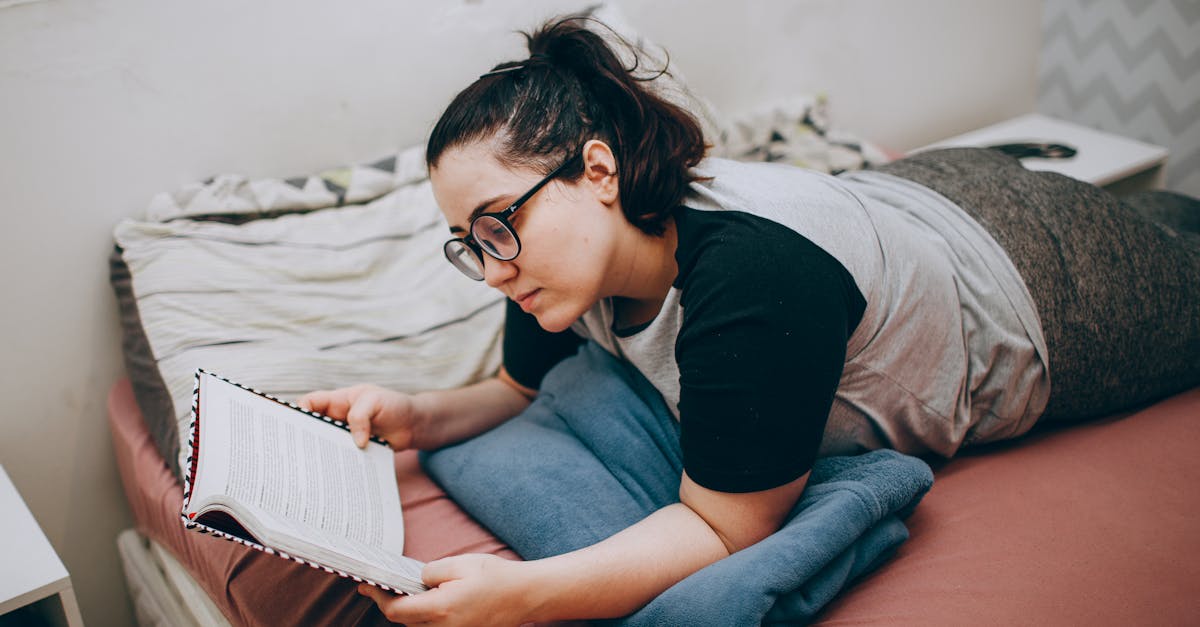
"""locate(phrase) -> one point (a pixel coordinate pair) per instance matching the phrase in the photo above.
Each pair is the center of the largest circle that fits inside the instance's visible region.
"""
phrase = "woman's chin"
(553, 325)
(554, 321)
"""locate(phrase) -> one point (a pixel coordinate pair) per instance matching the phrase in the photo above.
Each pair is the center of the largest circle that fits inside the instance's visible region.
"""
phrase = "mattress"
(1096, 523)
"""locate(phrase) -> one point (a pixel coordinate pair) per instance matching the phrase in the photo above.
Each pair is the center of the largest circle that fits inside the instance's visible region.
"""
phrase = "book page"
(303, 476)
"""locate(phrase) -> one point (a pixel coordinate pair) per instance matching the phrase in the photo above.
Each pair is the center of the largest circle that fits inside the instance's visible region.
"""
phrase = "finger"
(314, 401)
(338, 403)
(438, 572)
(379, 596)
(359, 417)
(407, 609)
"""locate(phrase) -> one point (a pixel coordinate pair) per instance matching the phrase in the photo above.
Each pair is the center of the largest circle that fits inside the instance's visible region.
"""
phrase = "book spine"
(189, 477)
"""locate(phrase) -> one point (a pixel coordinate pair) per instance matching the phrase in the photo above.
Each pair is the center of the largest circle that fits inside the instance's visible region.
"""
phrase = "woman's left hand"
(477, 589)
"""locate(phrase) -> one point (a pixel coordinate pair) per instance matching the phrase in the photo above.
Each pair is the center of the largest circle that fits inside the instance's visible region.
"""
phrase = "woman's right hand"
(369, 410)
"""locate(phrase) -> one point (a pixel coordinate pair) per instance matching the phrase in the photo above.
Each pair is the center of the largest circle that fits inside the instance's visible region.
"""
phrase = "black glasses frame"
(472, 241)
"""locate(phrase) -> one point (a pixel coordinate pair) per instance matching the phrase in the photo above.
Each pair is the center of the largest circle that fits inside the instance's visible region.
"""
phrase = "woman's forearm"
(449, 416)
(624, 572)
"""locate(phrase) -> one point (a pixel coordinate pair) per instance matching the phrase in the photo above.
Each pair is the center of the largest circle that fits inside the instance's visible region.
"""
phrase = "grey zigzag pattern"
(1125, 109)
(1131, 56)
(1130, 67)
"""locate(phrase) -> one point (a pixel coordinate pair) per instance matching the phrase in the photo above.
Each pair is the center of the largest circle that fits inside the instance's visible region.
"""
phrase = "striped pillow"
(297, 302)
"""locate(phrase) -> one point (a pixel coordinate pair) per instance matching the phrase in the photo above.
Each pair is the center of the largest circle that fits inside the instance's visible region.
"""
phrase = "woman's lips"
(526, 300)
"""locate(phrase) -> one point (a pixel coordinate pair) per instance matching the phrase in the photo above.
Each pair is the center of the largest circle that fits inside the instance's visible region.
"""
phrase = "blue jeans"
(598, 450)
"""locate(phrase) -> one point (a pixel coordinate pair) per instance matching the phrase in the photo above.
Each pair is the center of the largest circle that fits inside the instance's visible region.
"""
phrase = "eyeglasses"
(493, 234)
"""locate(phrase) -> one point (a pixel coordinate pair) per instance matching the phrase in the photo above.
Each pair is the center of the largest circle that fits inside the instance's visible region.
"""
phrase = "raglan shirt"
(817, 315)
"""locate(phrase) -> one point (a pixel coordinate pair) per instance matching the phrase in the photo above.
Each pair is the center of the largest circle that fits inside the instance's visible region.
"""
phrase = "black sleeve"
(766, 318)
(529, 350)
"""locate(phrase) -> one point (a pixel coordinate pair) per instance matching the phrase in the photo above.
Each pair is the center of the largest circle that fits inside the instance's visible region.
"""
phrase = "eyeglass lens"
(495, 237)
(462, 257)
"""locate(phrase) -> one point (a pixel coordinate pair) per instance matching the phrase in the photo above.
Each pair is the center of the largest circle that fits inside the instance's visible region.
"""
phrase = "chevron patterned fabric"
(1130, 67)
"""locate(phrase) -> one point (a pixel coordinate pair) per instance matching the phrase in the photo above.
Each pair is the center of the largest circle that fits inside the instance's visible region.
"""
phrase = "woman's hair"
(574, 88)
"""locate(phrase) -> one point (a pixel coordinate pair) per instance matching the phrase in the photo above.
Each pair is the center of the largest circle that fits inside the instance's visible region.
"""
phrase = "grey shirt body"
(949, 350)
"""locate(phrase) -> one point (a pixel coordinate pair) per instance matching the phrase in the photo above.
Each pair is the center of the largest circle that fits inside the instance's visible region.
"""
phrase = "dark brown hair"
(574, 88)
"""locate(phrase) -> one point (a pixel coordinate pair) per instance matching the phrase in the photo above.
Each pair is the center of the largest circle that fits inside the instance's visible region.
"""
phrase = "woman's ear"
(600, 170)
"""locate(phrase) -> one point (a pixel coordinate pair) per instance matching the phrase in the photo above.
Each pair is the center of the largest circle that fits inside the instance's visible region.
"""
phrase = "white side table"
(1117, 163)
(30, 570)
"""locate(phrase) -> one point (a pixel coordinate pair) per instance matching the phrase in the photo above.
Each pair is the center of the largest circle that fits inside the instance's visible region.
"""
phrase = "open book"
(270, 475)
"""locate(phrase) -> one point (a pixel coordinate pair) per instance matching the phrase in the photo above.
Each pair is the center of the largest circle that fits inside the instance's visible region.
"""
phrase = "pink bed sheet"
(1092, 524)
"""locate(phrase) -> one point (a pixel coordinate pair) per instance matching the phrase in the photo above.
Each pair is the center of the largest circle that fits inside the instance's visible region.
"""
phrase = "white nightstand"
(1119, 164)
(30, 570)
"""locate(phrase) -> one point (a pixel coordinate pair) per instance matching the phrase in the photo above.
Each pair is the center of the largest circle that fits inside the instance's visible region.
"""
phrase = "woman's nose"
(496, 272)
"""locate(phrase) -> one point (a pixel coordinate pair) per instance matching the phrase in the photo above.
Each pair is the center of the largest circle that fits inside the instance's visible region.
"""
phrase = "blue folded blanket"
(848, 521)
(598, 451)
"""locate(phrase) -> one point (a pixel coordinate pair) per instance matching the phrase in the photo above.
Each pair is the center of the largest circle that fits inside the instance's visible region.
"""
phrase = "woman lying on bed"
(741, 320)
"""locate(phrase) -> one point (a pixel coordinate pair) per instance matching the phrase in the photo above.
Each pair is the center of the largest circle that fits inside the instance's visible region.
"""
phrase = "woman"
(742, 319)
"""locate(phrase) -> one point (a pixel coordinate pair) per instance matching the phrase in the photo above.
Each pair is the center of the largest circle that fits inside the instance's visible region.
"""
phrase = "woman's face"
(567, 230)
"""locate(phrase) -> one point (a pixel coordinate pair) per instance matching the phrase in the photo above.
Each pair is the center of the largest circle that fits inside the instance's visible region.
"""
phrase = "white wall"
(102, 104)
